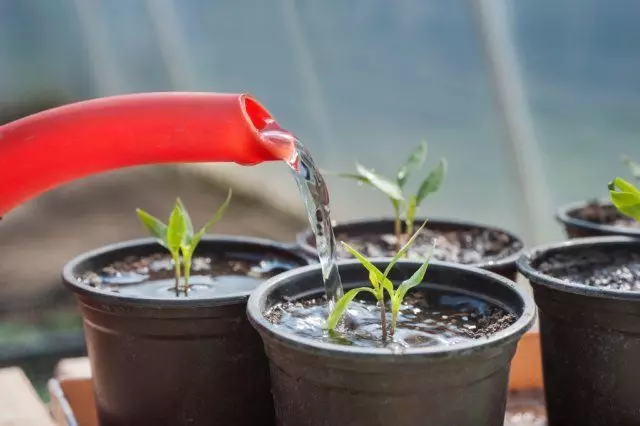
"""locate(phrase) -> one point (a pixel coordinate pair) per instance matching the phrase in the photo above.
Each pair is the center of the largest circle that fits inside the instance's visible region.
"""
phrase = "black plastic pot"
(182, 361)
(576, 227)
(323, 384)
(505, 267)
(590, 341)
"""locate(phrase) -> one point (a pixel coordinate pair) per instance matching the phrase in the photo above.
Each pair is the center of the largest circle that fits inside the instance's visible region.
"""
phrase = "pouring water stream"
(315, 195)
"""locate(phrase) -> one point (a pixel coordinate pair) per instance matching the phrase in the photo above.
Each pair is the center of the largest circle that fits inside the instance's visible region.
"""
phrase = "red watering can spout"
(56, 146)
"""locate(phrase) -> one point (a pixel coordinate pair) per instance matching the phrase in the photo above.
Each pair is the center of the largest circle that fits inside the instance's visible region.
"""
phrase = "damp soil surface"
(604, 214)
(614, 269)
(212, 275)
(431, 317)
(464, 246)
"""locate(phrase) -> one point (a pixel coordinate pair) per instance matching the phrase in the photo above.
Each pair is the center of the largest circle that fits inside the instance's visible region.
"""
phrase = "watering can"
(44, 150)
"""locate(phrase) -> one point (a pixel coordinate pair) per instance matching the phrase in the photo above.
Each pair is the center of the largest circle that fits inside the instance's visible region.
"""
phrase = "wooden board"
(19, 402)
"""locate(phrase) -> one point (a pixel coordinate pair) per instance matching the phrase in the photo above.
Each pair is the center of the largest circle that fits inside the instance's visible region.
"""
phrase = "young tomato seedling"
(626, 197)
(404, 205)
(379, 284)
(178, 236)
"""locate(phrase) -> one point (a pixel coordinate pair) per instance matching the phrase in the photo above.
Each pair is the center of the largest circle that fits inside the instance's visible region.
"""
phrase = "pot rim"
(526, 268)
(563, 215)
(514, 331)
(106, 296)
(303, 236)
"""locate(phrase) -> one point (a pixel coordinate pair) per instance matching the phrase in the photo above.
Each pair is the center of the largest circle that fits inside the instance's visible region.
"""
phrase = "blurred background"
(532, 102)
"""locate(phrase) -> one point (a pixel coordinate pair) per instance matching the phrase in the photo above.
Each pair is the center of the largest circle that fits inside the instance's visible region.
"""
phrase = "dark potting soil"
(211, 275)
(616, 269)
(427, 318)
(465, 246)
(604, 215)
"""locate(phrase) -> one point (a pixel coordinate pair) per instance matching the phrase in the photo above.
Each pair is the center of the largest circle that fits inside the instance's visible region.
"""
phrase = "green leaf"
(623, 186)
(414, 162)
(433, 182)
(403, 250)
(155, 227)
(382, 184)
(625, 197)
(216, 217)
(342, 304)
(413, 281)
(354, 176)
(634, 167)
(365, 262)
(187, 220)
(176, 229)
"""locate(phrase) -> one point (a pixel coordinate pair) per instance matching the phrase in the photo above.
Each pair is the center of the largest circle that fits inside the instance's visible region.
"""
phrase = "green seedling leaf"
(177, 229)
(625, 197)
(634, 167)
(379, 277)
(155, 227)
(354, 176)
(403, 250)
(414, 162)
(187, 220)
(342, 304)
(413, 281)
(619, 184)
(216, 217)
(433, 182)
(382, 184)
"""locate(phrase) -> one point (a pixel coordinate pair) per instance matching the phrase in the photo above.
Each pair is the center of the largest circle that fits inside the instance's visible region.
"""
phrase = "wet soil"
(431, 317)
(211, 275)
(465, 246)
(617, 269)
(604, 215)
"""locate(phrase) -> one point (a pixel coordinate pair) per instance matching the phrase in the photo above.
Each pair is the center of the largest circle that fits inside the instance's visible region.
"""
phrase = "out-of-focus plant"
(404, 205)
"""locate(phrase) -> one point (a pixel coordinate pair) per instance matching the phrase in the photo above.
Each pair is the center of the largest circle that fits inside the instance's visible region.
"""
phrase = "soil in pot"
(613, 270)
(426, 318)
(215, 274)
(604, 214)
(464, 246)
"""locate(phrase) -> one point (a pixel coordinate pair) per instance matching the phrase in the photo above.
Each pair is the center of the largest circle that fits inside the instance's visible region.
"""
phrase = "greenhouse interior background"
(530, 100)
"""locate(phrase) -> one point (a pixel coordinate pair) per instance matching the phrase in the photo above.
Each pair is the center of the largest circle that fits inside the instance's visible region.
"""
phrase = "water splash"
(315, 195)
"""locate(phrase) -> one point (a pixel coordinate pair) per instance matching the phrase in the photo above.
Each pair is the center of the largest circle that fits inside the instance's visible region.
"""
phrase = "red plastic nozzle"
(56, 146)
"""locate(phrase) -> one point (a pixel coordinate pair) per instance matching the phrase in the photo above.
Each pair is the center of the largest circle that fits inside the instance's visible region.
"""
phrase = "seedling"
(379, 284)
(178, 236)
(625, 197)
(404, 205)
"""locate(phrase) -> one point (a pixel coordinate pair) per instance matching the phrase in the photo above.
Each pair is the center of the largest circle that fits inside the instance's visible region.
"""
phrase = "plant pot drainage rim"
(259, 299)
(303, 237)
(102, 295)
(527, 260)
(563, 215)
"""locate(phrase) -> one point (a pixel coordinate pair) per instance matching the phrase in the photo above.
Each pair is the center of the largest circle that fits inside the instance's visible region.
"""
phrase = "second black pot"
(505, 266)
(326, 384)
(590, 340)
